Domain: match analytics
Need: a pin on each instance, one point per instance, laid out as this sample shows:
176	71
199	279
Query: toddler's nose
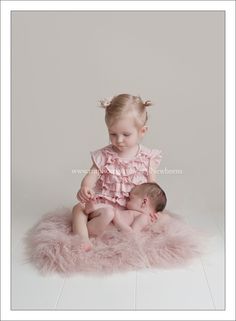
119	139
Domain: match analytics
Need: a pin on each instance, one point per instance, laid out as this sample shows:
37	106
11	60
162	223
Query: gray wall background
64	62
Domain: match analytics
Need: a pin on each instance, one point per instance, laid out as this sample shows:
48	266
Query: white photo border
6	8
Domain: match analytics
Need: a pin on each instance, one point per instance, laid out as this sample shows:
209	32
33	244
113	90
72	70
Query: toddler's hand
85	194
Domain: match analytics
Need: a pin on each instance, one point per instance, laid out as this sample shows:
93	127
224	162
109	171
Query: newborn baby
143	205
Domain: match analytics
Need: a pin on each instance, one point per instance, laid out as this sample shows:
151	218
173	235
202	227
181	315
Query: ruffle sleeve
99	159
155	157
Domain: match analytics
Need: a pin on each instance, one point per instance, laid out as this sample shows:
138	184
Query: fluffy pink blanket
51	246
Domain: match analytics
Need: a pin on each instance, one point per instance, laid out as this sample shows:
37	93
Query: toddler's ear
143	130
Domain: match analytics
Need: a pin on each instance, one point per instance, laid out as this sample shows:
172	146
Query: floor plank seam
209	288
135	294
60	293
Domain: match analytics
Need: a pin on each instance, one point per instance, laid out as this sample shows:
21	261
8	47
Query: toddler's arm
152	172
86	191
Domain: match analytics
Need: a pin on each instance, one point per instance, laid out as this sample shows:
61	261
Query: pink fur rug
51	246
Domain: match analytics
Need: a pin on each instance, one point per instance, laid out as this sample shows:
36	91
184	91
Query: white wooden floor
199	286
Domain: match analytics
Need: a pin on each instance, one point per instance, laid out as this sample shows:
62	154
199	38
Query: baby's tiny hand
154	217
85	194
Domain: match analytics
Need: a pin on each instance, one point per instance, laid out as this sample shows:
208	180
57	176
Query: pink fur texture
51	246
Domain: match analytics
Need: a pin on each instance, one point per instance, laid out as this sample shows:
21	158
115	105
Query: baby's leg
123	219
79	226
100	219
140	222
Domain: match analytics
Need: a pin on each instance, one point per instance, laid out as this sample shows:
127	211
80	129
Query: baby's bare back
126	217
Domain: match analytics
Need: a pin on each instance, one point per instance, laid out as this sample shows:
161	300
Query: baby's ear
145	201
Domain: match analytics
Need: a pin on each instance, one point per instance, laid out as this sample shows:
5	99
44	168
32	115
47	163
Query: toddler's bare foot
86	245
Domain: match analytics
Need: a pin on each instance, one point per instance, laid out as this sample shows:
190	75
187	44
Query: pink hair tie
147	103
106	102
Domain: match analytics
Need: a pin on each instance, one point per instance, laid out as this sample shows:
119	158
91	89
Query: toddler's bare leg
79	226
92	207
101	218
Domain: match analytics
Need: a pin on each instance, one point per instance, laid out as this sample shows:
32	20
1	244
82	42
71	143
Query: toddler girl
116	168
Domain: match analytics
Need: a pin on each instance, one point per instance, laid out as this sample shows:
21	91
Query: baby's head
126	117
147	196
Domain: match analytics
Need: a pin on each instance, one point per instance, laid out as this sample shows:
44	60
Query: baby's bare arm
124	219
140	222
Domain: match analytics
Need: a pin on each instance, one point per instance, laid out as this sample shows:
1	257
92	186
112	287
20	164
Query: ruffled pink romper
120	175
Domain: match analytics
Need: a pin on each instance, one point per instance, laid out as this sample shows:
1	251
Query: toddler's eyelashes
126	134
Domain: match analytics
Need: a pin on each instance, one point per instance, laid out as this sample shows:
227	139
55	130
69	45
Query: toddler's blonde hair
123	104
155	194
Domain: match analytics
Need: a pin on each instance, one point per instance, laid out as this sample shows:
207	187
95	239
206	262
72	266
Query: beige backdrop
64	62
